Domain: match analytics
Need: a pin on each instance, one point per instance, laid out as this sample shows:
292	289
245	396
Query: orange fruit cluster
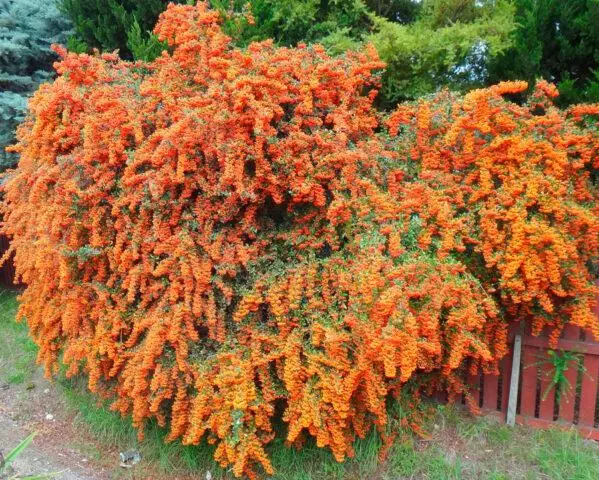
512	190
222	237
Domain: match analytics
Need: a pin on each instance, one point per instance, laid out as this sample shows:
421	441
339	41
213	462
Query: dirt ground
56	449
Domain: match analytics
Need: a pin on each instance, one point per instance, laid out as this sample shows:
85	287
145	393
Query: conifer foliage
27	29
109	25
223	232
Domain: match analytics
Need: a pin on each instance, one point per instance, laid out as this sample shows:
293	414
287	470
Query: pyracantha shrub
221	236
513	189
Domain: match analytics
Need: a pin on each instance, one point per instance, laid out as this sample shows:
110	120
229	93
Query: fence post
513	398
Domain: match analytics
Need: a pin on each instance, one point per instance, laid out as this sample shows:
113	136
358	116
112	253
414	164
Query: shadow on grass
310	463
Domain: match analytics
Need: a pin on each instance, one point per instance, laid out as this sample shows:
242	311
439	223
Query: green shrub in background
449	44
290	22
27	29
123	25
402	11
427	44
557	40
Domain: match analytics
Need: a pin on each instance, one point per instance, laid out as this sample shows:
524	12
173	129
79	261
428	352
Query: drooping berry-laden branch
221	231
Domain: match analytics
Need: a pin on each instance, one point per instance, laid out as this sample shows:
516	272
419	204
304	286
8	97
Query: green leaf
18	449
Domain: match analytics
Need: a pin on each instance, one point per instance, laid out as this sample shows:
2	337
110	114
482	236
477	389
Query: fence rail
539	402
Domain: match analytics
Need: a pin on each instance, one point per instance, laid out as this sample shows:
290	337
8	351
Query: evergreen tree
426	44
27	29
558	41
401	11
123	25
289	22
450	44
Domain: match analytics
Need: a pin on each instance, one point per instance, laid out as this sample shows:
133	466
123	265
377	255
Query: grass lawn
460	446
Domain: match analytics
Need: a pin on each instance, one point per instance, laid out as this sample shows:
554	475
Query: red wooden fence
539	405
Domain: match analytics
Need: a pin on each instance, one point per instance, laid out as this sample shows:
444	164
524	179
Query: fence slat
568	396
571	332
547	394
588	392
7	270
506	373
474	383
529	381
490	388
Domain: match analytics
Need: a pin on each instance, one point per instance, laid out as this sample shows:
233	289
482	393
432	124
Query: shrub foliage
556	41
223	237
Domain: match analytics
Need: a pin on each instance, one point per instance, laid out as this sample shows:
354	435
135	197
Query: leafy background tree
27	29
557	40
402	11
427	45
449	43
289	22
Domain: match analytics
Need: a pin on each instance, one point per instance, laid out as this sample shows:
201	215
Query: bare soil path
58	446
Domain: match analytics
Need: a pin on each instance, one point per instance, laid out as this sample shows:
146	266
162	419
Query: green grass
17	351
497	451
566	456
461	447
406	461
111	430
